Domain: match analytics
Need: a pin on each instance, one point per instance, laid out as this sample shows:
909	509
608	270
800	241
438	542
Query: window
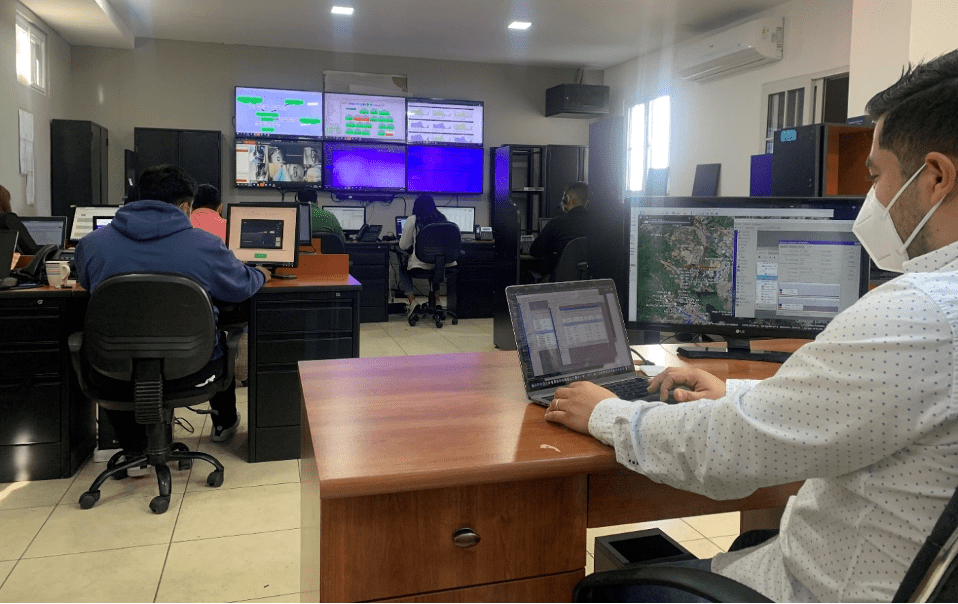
31	55
809	99
649	138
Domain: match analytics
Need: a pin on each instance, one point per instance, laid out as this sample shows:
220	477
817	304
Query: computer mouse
671	398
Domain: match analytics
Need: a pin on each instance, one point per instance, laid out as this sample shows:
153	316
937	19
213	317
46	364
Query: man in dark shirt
559	231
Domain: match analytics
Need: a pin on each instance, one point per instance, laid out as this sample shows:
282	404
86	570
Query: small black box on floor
650	546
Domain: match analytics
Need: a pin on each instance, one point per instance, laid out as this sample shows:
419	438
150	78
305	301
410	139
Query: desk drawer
526	529
30	412
33	327
307	317
30	362
303	349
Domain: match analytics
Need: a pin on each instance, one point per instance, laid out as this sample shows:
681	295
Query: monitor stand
275	275
737	349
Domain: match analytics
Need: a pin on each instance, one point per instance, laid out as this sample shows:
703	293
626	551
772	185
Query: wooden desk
401	452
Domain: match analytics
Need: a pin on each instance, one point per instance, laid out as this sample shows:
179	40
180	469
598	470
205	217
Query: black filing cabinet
476	279
289	324
47	426
369	264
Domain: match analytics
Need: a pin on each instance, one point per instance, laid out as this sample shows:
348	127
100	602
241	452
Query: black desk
47	426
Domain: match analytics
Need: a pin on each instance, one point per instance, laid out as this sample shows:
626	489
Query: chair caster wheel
413	321
455	321
184	464
438	323
215	479
159	504
89	499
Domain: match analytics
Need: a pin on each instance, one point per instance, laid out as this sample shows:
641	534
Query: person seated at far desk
155	234
423	212
866	415
207	211
571	224
11	222
320	219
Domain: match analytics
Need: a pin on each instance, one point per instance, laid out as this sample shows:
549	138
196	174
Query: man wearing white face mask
866	415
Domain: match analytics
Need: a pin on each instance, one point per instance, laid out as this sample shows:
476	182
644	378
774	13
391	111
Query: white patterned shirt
867	415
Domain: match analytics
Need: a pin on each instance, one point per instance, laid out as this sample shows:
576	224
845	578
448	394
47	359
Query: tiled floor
236	543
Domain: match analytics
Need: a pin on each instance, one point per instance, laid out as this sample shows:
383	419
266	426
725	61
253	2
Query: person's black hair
307	195
424	208
166	183
578	192
207	196
920	112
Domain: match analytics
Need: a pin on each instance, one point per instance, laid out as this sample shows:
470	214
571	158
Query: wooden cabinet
292	322
47	427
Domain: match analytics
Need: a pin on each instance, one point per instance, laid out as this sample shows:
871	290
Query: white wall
44	107
720	121
191	85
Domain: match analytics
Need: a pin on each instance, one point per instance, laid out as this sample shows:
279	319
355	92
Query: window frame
644	153
37	40
813	85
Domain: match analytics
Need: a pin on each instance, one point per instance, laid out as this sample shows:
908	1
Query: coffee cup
58	271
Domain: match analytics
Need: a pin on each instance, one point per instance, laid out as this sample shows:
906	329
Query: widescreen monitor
290	164
365	166
742	267
364	117
275	113
449	170
444	122
351	218
264	233
83	219
46	230
465	218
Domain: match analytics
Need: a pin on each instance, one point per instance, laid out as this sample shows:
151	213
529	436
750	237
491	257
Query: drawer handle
465	537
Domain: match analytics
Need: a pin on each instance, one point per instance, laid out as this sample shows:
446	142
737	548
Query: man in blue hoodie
155	234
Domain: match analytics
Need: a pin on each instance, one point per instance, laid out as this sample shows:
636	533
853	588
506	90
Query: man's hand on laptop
701	384
572	405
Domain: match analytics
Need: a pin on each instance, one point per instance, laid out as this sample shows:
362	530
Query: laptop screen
568	331
400	223
45	229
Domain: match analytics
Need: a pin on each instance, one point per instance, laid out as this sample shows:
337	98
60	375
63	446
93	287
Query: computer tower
821	160
79	163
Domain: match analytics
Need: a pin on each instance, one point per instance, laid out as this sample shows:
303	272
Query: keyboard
635	389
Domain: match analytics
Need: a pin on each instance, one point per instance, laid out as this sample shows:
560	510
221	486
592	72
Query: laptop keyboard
636	389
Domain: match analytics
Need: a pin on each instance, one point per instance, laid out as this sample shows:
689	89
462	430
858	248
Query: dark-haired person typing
866	415
155	234
11	222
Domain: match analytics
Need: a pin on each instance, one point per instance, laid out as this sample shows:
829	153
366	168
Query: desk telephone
525	243
369	232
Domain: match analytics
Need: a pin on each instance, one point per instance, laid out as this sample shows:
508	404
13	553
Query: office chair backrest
438	241
149	316
574	254
330	242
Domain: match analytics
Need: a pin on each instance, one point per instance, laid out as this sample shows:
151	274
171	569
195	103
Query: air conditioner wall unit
735	50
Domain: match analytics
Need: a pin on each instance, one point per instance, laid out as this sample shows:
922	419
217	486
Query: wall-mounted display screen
444	122
274	113
365	117
279	163
365	166
453	170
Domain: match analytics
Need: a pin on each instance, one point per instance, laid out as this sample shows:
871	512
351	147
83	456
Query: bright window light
31	54
520	25
636	158
659	133
649	140
342	10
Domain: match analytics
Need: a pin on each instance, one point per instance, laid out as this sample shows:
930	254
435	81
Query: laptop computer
46	229
573	331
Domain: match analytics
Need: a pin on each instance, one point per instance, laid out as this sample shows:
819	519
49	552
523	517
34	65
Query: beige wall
44	107
190	85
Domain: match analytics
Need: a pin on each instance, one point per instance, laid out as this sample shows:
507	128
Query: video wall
357	142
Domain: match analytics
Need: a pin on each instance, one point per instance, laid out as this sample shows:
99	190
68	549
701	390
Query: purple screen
444	170
365	166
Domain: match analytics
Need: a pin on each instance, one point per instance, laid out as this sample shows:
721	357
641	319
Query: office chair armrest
698	582
75	342
232	314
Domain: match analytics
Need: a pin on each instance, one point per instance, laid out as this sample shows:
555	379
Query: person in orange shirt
208	211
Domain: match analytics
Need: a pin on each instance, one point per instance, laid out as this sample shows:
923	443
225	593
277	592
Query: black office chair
144	336
439	244
931	577
573	264
330	242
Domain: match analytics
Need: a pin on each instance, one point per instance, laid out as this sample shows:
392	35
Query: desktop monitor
400	224
444	122
101	221
742	267
465	218
365	166
275	113
264	233
364	117
305	223
289	164
351	218
448	170
83	219
46	230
